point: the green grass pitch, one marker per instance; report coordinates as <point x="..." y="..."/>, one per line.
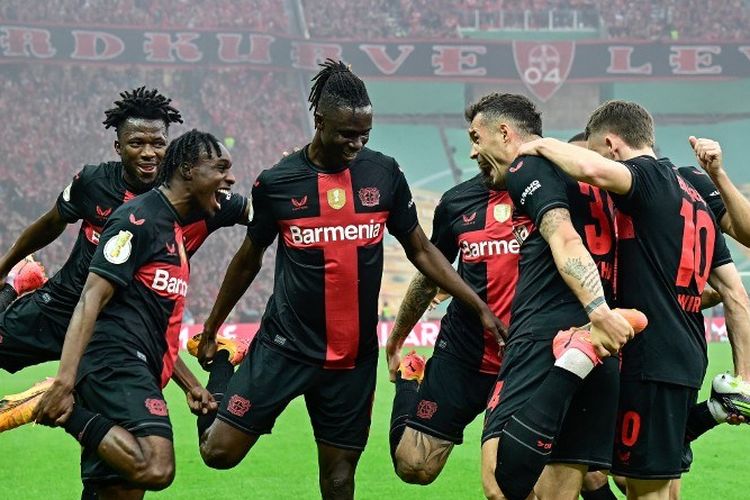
<point x="42" y="463"/>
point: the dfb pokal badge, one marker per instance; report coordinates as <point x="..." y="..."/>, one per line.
<point x="543" y="66"/>
<point x="502" y="212"/>
<point x="336" y="198"/>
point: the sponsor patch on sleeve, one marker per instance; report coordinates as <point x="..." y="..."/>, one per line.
<point x="117" y="249"/>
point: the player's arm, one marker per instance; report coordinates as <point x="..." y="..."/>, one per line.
<point x="199" y="400"/>
<point x="418" y="296"/>
<point x="432" y="263"/>
<point x="709" y="298"/>
<point x="736" y="221"/>
<point x="57" y="402"/>
<point x="582" y="164"/>
<point x="579" y="271"/>
<point x="38" y="234"/>
<point x="240" y="274"/>
<point x="727" y="282"/>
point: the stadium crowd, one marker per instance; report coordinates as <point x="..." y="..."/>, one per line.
<point x="620" y="19"/>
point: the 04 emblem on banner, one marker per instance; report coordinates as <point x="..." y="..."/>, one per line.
<point x="543" y="66"/>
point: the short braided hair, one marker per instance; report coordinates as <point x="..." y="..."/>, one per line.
<point x="336" y="86"/>
<point x="186" y="149"/>
<point x="141" y="103"/>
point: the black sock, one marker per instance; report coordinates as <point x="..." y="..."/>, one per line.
<point x="526" y="442"/>
<point x="700" y="420"/>
<point x="220" y="372"/>
<point x="603" y="493"/>
<point x="7" y="296"/>
<point x="407" y="392"/>
<point x="87" y="427"/>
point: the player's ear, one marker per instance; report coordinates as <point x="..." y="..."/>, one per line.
<point x="186" y="171"/>
<point x="117" y="147"/>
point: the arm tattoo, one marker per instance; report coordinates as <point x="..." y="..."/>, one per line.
<point x="419" y="295"/>
<point x="585" y="273"/>
<point x="552" y="220"/>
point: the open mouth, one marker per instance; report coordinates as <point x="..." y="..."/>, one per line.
<point x="222" y="194"/>
<point x="147" y="168"/>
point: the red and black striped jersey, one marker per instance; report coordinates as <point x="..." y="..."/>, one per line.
<point x="474" y="224"/>
<point x="668" y="245"/>
<point x="544" y="304"/>
<point x="329" y="259"/>
<point x="93" y="195"/>
<point x="142" y="252"/>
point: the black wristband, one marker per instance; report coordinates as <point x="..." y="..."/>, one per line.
<point x="594" y="304"/>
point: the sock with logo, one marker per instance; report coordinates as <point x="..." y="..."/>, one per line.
<point x="220" y="372"/>
<point x="87" y="427"/>
<point x="407" y="393"/>
<point x="527" y="439"/>
<point x="603" y="493"/>
<point x="702" y="419"/>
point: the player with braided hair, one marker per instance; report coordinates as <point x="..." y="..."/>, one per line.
<point x="329" y="204"/>
<point x="121" y="346"/>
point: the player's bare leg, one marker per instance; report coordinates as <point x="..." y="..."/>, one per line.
<point x="596" y="486"/>
<point x="643" y="489"/>
<point x="147" y="463"/>
<point x="560" y="482"/>
<point x="223" y="446"/>
<point x="420" y="457"/>
<point x="674" y="489"/>
<point x="337" y="467"/>
<point x="489" y="461"/>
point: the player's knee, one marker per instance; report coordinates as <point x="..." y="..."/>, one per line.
<point x="338" y="484"/>
<point x="154" y="475"/>
<point x="415" y="469"/>
<point x="219" y="457"/>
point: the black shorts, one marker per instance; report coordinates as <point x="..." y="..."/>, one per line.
<point x="125" y="391"/>
<point x="339" y="402"/>
<point x="28" y="336"/>
<point x="450" y="397"/>
<point x="650" y="438"/>
<point x="587" y="433"/>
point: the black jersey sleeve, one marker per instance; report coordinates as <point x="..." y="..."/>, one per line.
<point x="402" y="218"/>
<point x="126" y="244"/>
<point x="232" y="212"/>
<point x="706" y="188"/>
<point x="536" y="186"/>
<point x="442" y="235"/>
<point x="721" y="251"/>
<point x="71" y="201"/>
<point x="262" y="228"/>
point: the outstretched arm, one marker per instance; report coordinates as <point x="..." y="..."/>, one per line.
<point x="726" y="280"/>
<point x="582" y="164"/>
<point x="57" y="402"/>
<point x="418" y="296"/>
<point x="38" y="234"/>
<point x="240" y="274"/>
<point x="736" y="221"/>
<point x="579" y="271"/>
<point x="433" y="264"/>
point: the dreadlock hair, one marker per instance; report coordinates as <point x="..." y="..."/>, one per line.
<point x="335" y="86"/>
<point x="141" y="103"/>
<point x="514" y="107"/>
<point x="186" y="149"/>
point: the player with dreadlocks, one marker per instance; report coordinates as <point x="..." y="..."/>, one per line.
<point x="33" y="328"/>
<point x="329" y="204"/>
<point x="122" y="342"/>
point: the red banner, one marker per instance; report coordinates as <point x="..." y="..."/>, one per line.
<point x="423" y="334"/>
